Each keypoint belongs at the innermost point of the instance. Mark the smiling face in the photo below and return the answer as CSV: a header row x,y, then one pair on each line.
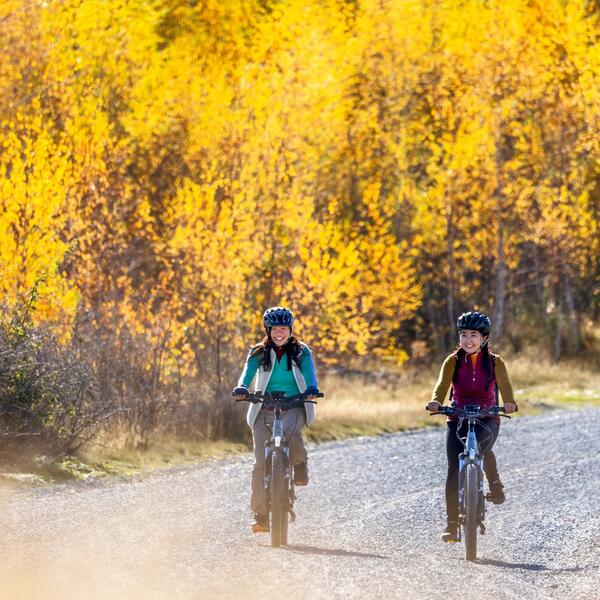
x,y
470,340
280,335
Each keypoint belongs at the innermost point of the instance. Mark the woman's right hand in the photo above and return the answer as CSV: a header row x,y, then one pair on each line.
x,y
434,406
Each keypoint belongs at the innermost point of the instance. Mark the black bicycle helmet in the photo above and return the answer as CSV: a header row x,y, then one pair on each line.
x,y
474,320
278,316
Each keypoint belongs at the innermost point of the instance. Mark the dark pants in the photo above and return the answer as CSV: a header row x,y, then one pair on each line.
x,y
486,433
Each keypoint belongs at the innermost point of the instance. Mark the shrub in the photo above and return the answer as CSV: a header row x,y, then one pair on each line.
x,y
48,392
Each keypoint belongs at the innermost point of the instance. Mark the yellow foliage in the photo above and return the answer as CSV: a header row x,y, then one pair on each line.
x,y
175,167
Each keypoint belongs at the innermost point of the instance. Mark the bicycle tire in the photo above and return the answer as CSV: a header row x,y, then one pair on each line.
x,y
283,538
278,498
471,510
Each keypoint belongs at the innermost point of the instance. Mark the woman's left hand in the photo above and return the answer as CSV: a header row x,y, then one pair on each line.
x,y
510,407
311,392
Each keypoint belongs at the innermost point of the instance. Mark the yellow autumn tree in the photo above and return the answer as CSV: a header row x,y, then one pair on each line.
x,y
169,169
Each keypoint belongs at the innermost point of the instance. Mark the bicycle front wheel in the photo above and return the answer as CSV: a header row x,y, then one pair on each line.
x,y
279,500
471,510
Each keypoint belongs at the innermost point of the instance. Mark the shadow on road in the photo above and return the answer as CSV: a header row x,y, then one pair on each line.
x,y
526,566
301,549
507,565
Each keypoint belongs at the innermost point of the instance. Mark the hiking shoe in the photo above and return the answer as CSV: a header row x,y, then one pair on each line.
x,y
450,534
260,524
301,473
496,494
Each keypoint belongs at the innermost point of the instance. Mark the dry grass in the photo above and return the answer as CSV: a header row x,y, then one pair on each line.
x,y
356,403
120,459
112,456
363,405
356,406
542,384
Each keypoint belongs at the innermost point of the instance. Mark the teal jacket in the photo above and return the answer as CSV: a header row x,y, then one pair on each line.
x,y
279,379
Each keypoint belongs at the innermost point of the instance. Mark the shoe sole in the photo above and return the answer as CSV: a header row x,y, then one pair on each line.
x,y
259,530
449,541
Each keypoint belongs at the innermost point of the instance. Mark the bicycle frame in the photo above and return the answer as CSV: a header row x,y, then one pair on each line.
x,y
471,455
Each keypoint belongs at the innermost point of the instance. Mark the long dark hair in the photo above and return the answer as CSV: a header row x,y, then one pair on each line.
x,y
488,363
293,352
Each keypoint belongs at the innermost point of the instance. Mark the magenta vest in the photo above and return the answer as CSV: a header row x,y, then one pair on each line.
x,y
470,387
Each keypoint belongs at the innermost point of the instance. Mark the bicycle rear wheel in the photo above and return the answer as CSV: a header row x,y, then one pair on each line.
x,y
471,510
279,500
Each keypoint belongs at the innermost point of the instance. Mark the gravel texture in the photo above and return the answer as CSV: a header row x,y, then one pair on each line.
x,y
368,526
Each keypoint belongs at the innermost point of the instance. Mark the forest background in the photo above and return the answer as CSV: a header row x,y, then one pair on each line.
x,y
170,168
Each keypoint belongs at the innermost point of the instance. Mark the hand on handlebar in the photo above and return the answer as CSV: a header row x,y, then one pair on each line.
x,y
239,393
510,407
434,406
311,392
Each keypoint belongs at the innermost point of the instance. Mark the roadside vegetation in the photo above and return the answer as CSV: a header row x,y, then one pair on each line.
x,y
169,169
39,446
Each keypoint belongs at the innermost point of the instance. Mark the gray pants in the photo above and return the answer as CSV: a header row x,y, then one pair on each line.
x,y
293,421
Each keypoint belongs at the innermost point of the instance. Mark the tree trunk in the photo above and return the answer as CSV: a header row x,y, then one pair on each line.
x,y
559,328
499,298
437,328
450,310
500,295
540,289
574,332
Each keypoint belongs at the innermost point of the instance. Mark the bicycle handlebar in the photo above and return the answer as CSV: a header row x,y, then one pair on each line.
x,y
279,398
470,411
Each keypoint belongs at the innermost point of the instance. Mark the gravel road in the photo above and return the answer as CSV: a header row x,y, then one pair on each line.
x,y
368,526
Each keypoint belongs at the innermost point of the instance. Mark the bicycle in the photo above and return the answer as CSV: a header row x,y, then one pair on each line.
x,y
471,499
278,480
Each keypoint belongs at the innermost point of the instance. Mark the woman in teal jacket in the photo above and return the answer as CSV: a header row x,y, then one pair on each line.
x,y
284,364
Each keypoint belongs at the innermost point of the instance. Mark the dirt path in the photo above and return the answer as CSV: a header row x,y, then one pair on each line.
x,y
368,527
